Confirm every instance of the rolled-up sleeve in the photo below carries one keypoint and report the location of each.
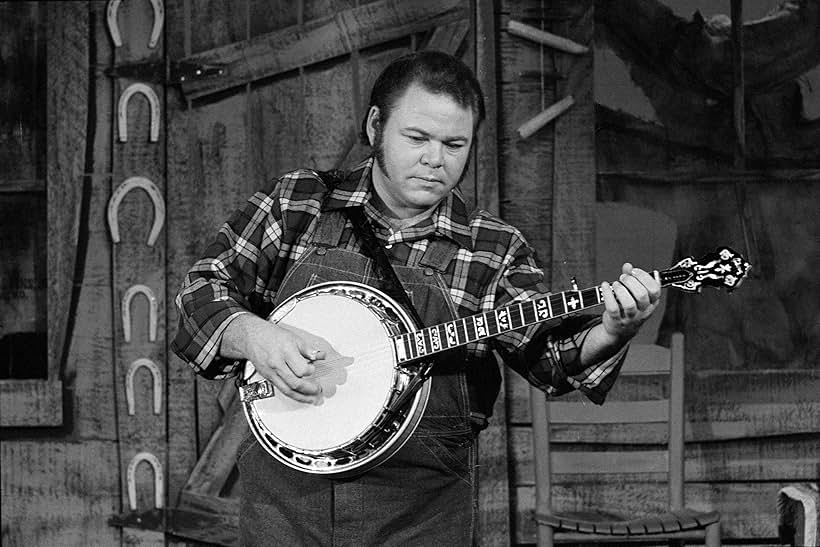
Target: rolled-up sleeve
(230, 279)
(548, 355)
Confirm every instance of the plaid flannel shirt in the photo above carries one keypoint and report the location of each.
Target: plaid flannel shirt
(494, 266)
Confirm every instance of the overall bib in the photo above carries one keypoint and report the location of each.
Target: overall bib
(425, 493)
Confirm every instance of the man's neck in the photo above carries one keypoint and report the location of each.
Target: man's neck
(402, 219)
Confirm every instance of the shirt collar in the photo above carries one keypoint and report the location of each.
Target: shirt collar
(449, 219)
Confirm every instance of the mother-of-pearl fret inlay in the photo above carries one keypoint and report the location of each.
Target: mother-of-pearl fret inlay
(435, 340)
(501, 317)
(543, 308)
(452, 335)
(420, 343)
(480, 328)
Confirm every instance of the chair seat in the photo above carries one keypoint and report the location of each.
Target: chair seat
(673, 521)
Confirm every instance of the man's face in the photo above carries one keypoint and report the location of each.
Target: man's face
(421, 151)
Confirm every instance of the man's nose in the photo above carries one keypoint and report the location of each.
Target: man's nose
(433, 155)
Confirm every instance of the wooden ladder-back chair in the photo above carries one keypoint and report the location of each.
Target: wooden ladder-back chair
(569, 420)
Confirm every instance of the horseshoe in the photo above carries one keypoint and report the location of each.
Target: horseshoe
(122, 110)
(152, 313)
(153, 192)
(114, 29)
(132, 481)
(129, 384)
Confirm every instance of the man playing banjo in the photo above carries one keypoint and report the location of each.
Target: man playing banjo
(421, 123)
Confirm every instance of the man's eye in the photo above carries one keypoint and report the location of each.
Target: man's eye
(455, 146)
(415, 138)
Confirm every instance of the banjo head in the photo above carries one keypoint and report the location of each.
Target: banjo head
(352, 429)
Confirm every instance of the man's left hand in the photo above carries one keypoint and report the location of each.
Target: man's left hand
(629, 301)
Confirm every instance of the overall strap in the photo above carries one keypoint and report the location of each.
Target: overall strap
(329, 228)
(439, 253)
(330, 224)
(373, 249)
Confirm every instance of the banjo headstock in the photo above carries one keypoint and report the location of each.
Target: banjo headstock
(723, 268)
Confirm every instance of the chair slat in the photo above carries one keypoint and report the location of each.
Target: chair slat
(647, 359)
(610, 412)
(587, 462)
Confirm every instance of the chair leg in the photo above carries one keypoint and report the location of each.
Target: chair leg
(545, 535)
(713, 535)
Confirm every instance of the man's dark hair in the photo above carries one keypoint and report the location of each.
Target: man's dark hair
(435, 71)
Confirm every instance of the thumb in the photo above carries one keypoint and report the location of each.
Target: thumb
(308, 349)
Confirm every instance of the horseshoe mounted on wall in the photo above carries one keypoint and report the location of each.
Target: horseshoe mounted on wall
(114, 27)
(159, 480)
(152, 312)
(129, 384)
(122, 110)
(155, 195)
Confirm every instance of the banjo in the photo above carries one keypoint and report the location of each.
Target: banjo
(376, 388)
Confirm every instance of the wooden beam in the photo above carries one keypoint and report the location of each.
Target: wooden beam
(493, 465)
(720, 405)
(319, 40)
(206, 518)
(787, 458)
(709, 177)
(29, 403)
(738, 77)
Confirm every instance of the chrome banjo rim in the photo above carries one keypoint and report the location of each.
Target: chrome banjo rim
(387, 432)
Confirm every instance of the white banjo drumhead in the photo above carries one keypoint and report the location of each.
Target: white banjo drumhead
(355, 390)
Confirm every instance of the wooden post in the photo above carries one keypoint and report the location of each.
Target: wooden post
(138, 150)
(493, 489)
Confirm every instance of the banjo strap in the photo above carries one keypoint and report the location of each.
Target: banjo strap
(372, 248)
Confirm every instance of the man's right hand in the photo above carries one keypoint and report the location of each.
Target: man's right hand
(280, 353)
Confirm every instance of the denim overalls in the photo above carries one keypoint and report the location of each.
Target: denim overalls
(425, 493)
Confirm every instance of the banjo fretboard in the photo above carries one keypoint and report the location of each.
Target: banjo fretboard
(430, 340)
(722, 268)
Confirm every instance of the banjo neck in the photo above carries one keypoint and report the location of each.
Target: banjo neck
(444, 336)
(723, 268)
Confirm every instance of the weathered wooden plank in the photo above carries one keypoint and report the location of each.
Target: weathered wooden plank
(449, 37)
(746, 508)
(319, 40)
(525, 168)
(206, 518)
(789, 458)
(66, 112)
(328, 114)
(134, 262)
(486, 69)
(31, 403)
(218, 459)
(208, 177)
(723, 405)
(91, 349)
(67, 87)
(493, 488)
(58, 493)
(573, 240)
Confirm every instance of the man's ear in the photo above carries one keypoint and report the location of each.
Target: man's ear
(373, 119)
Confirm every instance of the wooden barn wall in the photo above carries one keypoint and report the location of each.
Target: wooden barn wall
(60, 484)
(752, 379)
